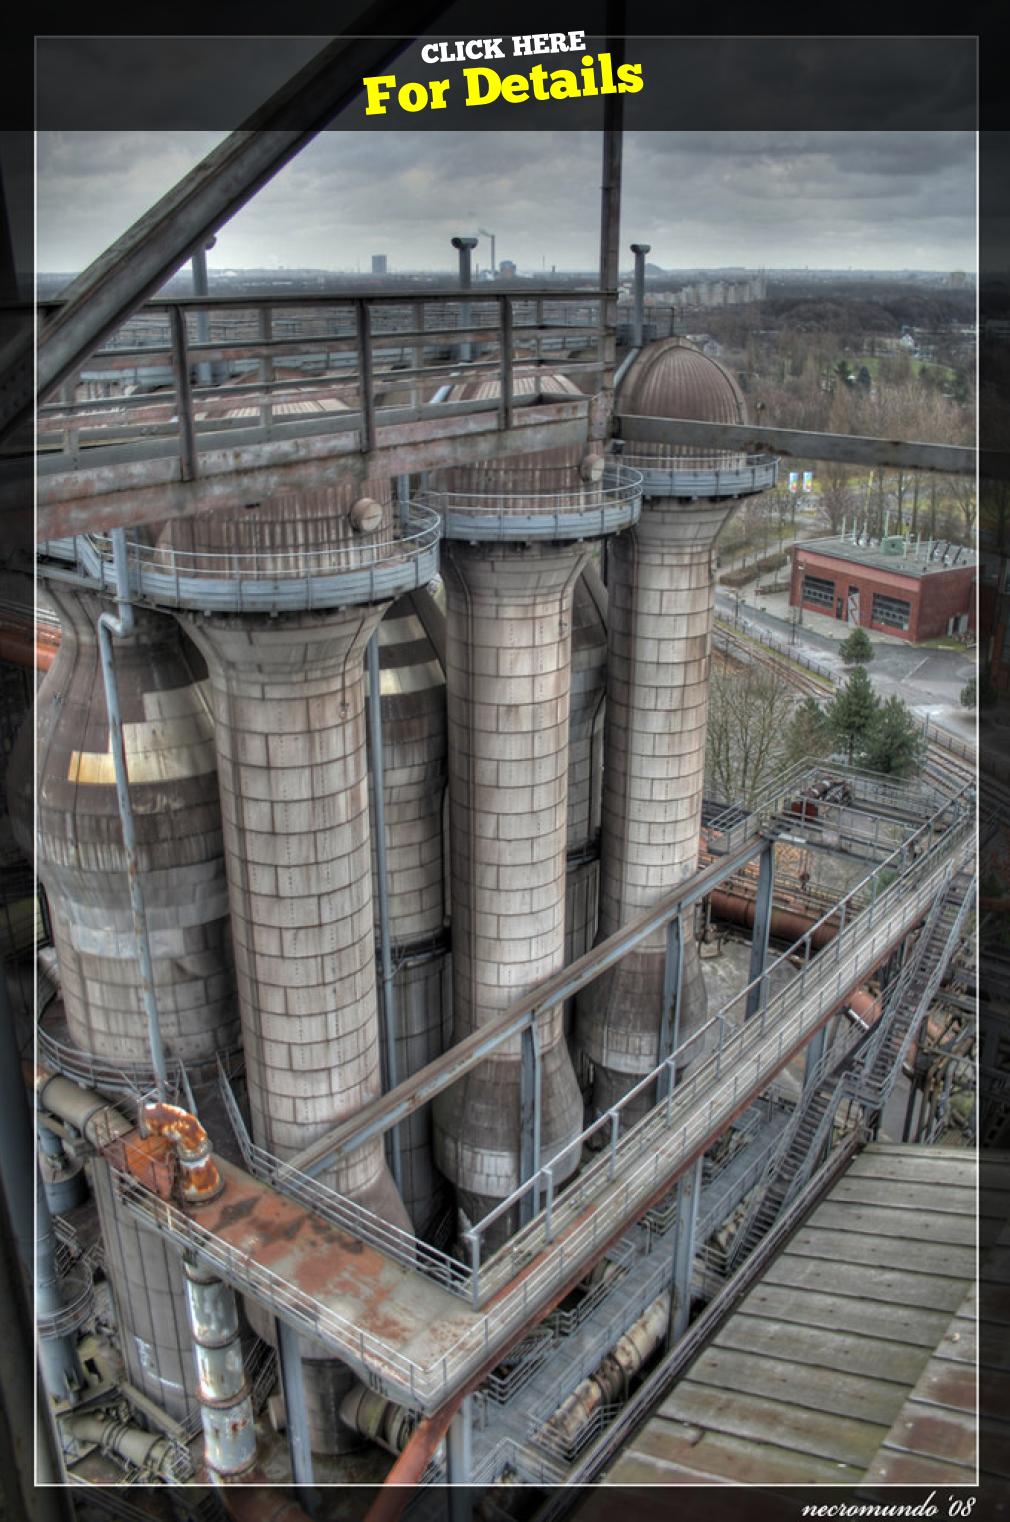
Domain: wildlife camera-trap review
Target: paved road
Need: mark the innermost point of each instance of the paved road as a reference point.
(929, 681)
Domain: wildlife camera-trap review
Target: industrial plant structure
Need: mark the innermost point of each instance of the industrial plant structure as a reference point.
(378, 872)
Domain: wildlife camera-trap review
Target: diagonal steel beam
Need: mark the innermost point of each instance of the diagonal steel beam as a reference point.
(162, 240)
(855, 449)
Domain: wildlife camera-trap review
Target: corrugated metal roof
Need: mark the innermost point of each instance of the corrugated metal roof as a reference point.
(851, 1354)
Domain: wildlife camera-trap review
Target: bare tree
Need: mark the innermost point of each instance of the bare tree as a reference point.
(749, 710)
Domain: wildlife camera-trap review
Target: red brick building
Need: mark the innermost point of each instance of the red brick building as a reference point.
(895, 586)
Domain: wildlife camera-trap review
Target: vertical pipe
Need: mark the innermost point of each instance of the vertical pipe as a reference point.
(669, 1025)
(529, 1119)
(762, 928)
(61, 1371)
(121, 626)
(225, 1395)
(459, 1462)
(382, 882)
(688, 1193)
(465, 247)
(638, 321)
(295, 1410)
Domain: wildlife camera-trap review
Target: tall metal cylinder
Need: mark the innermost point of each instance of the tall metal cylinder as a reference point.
(661, 595)
(508, 670)
(414, 747)
(168, 732)
(288, 697)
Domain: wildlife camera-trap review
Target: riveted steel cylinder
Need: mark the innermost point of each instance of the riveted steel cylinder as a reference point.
(288, 699)
(168, 732)
(509, 617)
(661, 596)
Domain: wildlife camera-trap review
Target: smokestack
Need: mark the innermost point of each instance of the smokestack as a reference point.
(638, 323)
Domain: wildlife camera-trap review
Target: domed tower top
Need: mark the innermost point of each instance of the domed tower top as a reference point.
(670, 379)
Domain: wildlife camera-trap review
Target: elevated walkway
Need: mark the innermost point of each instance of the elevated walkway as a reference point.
(421, 1343)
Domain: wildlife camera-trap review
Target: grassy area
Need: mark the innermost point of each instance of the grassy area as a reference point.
(872, 363)
(944, 642)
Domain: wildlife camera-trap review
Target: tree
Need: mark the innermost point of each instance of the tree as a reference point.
(748, 719)
(864, 378)
(809, 735)
(857, 649)
(894, 743)
(969, 694)
(852, 711)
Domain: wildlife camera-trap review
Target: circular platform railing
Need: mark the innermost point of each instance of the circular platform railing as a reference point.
(585, 512)
(268, 581)
(724, 474)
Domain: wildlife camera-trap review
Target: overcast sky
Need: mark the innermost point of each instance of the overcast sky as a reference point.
(772, 199)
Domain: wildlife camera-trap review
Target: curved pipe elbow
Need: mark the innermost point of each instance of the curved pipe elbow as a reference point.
(201, 1180)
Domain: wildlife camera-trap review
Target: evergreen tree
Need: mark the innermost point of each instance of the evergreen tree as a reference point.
(969, 694)
(857, 649)
(894, 743)
(852, 712)
(809, 735)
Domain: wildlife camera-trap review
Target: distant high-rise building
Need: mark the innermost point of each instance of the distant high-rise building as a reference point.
(507, 269)
(379, 266)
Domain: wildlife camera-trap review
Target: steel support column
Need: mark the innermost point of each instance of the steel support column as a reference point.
(289, 1358)
(762, 929)
(459, 1462)
(688, 1195)
(669, 1026)
(529, 1120)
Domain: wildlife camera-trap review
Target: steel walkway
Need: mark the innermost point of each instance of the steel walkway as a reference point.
(414, 1340)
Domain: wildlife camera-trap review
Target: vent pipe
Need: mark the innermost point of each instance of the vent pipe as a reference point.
(638, 324)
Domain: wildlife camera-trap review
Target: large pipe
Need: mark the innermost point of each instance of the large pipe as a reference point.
(224, 1392)
(61, 1369)
(421, 1448)
(786, 925)
(148, 1451)
(200, 1178)
(120, 626)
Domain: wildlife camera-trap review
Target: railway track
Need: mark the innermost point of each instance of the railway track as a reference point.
(949, 760)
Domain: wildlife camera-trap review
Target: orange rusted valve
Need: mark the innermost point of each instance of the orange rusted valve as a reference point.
(199, 1177)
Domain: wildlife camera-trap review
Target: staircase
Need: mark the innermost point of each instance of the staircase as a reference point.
(865, 1072)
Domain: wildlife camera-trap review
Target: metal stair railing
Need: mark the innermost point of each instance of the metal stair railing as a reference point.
(746, 1237)
(872, 1083)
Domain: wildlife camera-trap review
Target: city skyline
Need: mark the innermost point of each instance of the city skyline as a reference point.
(838, 200)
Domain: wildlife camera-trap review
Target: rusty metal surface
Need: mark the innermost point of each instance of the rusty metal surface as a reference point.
(148, 1158)
(148, 491)
(200, 1180)
(843, 1361)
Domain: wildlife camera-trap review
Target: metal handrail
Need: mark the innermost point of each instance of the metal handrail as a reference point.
(266, 564)
(403, 1246)
(624, 488)
(646, 1154)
